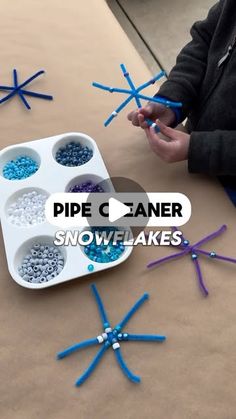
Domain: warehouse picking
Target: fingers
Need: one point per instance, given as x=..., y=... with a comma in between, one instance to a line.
x=171, y=151
x=167, y=131
x=147, y=112
x=159, y=146
x=133, y=117
x=138, y=116
x=142, y=123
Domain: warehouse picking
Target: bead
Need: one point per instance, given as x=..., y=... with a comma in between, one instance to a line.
x=185, y=242
x=88, y=187
x=104, y=253
x=194, y=256
x=36, y=270
x=73, y=154
x=100, y=339
x=28, y=210
x=104, y=335
x=107, y=344
x=20, y=168
x=108, y=330
x=116, y=346
x=213, y=254
x=125, y=335
x=154, y=125
x=90, y=268
x=114, y=113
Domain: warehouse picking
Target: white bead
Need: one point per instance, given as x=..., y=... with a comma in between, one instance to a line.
x=104, y=335
x=28, y=209
x=154, y=125
x=116, y=346
x=108, y=330
x=114, y=113
x=100, y=339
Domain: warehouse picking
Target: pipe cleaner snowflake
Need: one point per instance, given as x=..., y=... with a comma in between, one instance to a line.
x=195, y=252
x=18, y=89
x=111, y=338
x=134, y=93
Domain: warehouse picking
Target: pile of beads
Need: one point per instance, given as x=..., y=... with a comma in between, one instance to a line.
x=41, y=264
x=88, y=186
x=20, y=168
x=103, y=253
x=28, y=209
x=73, y=154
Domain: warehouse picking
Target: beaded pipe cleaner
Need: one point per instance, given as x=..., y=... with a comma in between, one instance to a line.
x=134, y=93
x=195, y=251
x=17, y=89
x=111, y=338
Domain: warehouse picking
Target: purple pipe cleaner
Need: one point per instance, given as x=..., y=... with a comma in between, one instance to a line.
x=194, y=250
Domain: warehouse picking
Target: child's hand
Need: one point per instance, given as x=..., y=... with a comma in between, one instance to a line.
x=152, y=111
x=173, y=151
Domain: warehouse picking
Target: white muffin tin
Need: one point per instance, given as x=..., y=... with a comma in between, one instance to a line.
x=51, y=177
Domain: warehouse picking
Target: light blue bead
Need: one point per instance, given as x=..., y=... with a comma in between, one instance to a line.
x=91, y=268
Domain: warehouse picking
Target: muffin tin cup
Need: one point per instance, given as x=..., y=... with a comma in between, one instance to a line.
x=51, y=177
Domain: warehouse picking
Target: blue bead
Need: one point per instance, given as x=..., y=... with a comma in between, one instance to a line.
x=73, y=154
x=91, y=268
x=20, y=168
x=194, y=256
x=185, y=242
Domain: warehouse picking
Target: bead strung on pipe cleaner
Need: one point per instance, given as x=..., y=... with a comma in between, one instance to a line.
x=195, y=251
x=134, y=93
x=18, y=89
x=111, y=338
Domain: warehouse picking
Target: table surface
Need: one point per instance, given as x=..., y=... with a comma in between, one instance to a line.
x=191, y=375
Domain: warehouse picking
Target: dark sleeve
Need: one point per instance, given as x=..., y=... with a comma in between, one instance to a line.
x=212, y=152
x=186, y=76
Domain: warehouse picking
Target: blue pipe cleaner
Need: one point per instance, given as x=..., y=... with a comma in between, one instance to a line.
x=134, y=93
x=111, y=338
x=17, y=89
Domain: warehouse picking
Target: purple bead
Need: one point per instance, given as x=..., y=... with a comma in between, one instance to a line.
x=88, y=187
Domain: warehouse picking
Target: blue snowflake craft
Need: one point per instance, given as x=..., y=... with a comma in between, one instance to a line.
x=18, y=89
x=111, y=338
x=134, y=93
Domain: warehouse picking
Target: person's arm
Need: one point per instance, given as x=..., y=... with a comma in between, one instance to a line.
x=186, y=76
x=212, y=152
